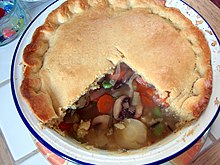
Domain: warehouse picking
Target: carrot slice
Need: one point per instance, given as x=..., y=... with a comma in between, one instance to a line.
x=147, y=101
x=105, y=103
x=150, y=92
x=143, y=89
x=147, y=93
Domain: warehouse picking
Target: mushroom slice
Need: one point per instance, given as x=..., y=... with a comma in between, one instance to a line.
x=136, y=101
x=139, y=110
x=102, y=121
x=132, y=135
x=118, y=107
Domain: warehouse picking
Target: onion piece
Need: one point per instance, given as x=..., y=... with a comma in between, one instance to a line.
x=83, y=101
x=124, y=90
x=94, y=95
x=101, y=121
x=116, y=74
x=136, y=99
x=133, y=77
x=127, y=76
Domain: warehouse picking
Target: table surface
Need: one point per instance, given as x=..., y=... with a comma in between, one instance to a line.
x=25, y=152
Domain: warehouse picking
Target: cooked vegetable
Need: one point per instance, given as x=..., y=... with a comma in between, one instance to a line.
x=128, y=74
x=136, y=101
x=124, y=113
x=83, y=101
x=105, y=103
x=133, y=135
x=146, y=93
x=102, y=121
x=95, y=94
x=106, y=84
x=122, y=108
x=118, y=107
x=122, y=73
x=157, y=112
x=138, y=111
x=127, y=113
x=145, y=90
x=132, y=84
x=158, y=129
x=124, y=90
x=147, y=101
x=116, y=74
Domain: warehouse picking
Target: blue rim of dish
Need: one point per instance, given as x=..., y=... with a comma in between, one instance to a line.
x=47, y=145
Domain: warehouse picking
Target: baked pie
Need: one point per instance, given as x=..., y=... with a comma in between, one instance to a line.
x=117, y=74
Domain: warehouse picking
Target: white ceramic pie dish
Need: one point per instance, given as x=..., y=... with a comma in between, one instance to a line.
x=163, y=151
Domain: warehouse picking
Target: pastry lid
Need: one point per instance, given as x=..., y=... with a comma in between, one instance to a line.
x=157, y=42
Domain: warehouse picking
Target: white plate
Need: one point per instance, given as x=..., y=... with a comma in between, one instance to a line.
x=161, y=152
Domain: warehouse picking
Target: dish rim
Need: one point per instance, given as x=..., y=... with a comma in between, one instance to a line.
x=63, y=155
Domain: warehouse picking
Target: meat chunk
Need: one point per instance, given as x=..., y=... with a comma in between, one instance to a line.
x=83, y=128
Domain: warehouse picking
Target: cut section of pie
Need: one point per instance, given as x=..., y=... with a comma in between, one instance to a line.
x=83, y=47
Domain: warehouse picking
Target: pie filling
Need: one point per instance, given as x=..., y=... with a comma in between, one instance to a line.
x=124, y=113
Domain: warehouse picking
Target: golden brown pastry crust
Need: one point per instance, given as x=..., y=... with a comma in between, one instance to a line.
x=82, y=40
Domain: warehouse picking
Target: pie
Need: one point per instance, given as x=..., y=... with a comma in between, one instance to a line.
x=82, y=41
